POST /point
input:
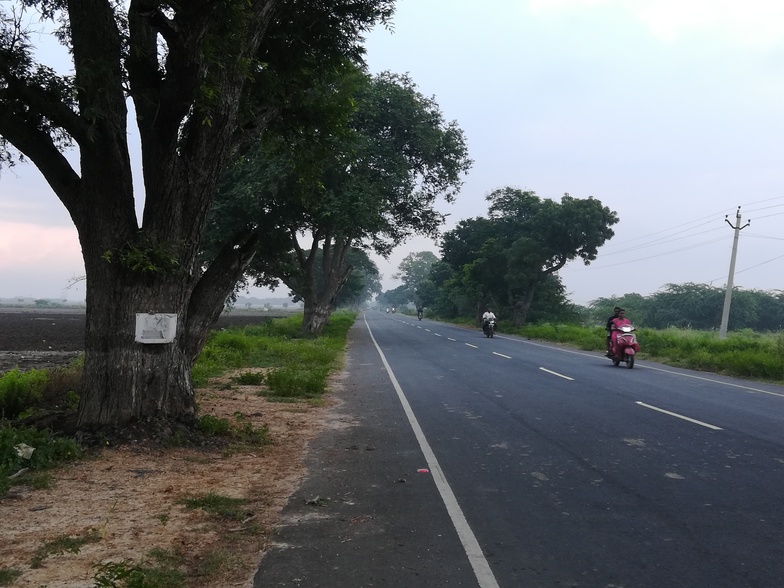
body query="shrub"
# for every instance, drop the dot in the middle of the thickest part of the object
(20, 390)
(49, 451)
(293, 382)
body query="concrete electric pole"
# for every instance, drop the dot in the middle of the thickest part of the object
(725, 315)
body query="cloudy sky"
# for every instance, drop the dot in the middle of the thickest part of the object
(670, 112)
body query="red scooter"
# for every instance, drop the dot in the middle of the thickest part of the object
(625, 346)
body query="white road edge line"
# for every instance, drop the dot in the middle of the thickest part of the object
(680, 416)
(481, 567)
(501, 355)
(557, 374)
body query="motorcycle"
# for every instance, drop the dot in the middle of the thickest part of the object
(488, 328)
(420, 314)
(625, 347)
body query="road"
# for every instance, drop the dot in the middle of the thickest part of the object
(504, 462)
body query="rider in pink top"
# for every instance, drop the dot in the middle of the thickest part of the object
(617, 323)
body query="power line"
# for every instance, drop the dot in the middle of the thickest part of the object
(593, 266)
(751, 267)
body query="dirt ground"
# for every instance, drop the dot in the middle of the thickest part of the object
(128, 498)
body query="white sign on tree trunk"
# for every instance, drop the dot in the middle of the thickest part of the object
(155, 328)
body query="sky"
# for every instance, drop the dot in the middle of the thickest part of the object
(670, 112)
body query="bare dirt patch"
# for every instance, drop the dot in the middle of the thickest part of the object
(130, 496)
(128, 499)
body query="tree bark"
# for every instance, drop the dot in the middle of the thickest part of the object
(155, 267)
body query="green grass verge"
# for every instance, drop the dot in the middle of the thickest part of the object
(743, 354)
(300, 365)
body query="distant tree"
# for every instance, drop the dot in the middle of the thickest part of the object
(371, 186)
(475, 252)
(396, 297)
(414, 271)
(363, 283)
(543, 236)
(689, 305)
(503, 260)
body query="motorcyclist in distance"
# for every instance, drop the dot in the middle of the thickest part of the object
(487, 316)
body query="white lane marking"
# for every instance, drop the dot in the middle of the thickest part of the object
(437, 334)
(481, 567)
(428, 330)
(450, 338)
(680, 416)
(648, 367)
(501, 355)
(557, 374)
(474, 346)
(712, 381)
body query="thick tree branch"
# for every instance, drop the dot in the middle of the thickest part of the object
(215, 285)
(38, 146)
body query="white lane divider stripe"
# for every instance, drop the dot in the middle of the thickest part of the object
(501, 355)
(557, 374)
(474, 346)
(680, 416)
(479, 563)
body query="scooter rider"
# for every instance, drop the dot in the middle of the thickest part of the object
(617, 323)
(609, 328)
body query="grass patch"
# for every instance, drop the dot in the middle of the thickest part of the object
(20, 390)
(300, 364)
(241, 432)
(8, 575)
(249, 379)
(160, 572)
(217, 562)
(224, 507)
(64, 544)
(48, 451)
(742, 354)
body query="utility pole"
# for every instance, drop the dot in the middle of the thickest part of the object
(725, 315)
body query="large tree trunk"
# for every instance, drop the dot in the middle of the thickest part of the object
(127, 381)
(316, 316)
(521, 305)
(154, 268)
(319, 296)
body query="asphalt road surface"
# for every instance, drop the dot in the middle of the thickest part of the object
(467, 461)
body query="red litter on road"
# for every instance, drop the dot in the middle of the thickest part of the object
(423, 471)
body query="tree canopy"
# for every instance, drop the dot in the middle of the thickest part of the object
(504, 259)
(206, 79)
(371, 185)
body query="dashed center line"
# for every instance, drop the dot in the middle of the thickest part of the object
(501, 355)
(474, 346)
(680, 416)
(557, 374)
